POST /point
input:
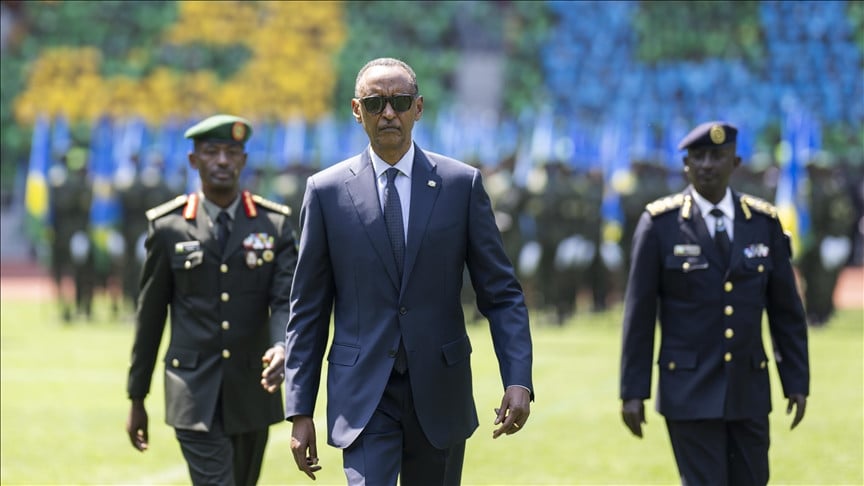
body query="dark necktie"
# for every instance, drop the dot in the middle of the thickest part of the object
(222, 230)
(721, 237)
(393, 220)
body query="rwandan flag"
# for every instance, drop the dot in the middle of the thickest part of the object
(36, 189)
(799, 138)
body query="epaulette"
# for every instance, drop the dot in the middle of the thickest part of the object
(166, 207)
(271, 205)
(665, 204)
(759, 205)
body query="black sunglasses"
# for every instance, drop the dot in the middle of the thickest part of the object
(376, 104)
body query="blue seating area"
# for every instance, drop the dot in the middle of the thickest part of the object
(808, 57)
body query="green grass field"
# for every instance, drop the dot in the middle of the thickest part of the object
(64, 409)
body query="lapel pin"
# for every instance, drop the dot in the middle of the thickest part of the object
(431, 183)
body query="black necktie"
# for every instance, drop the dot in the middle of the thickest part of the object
(222, 230)
(721, 237)
(393, 220)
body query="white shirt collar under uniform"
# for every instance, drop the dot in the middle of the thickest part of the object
(724, 205)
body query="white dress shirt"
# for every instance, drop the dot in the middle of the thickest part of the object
(724, 205)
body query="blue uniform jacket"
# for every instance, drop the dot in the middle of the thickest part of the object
(712, 361)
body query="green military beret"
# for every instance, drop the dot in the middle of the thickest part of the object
(221, 128)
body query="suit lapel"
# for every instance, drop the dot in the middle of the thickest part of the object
(361, 187)
(199, 229)
(241, 227)
(742, 232)
(699, 228)
(425, 187)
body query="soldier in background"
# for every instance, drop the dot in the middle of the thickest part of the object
(828, 246)
(646, 182)
(146, 188)
(70, 196)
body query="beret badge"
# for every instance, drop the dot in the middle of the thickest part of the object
(717, 134)
(238, 131)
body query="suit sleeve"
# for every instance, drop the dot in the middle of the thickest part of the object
(155, 296)
(786, 318)
(280, 290)
(311, 303)
(499, 295)
(640, 312)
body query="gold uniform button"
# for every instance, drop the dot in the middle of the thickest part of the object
(671, 366)
(761, 268)
(223, 268)
(728, 310)
(226, 325)
(727, 286)
(225, 297)
(762, 364)
(175, 363)
(729, 333)
(187, 265)
(727, 357)
(226, 354)
(685, 265)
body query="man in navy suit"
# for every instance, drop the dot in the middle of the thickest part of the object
(710, 260)
(385, 236)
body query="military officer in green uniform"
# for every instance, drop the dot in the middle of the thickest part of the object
(708, 262)
(828, 246)
(222, 260)
(70, 198)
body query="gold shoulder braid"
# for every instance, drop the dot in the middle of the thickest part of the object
(759, 205)
(665, 204)
(271, 205)
(165, 208)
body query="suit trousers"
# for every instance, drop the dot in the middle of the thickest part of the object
(215, 458)
(393, 445)
(721, 452)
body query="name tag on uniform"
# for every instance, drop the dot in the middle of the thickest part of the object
(187, 246)
(687, 250)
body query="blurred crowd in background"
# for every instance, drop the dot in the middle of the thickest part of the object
(573, 111)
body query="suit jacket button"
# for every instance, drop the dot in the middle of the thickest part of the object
(727, 357)
(403, 311)
(175, 363)
(226, 354)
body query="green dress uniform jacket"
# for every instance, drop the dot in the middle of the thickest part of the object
(226, 311)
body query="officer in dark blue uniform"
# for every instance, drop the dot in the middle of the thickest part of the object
(709, 261)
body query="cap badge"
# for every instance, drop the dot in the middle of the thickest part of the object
(717, 134)
(238, 131)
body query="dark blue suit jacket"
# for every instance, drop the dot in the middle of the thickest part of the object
(346, 265)
(712, 360)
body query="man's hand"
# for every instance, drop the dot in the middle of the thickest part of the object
(633, 413)
(799, 403)
(303, 445)
(514, 411)
(274, 368)
(136, 425)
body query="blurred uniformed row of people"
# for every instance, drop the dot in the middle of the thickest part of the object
(81, 268)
